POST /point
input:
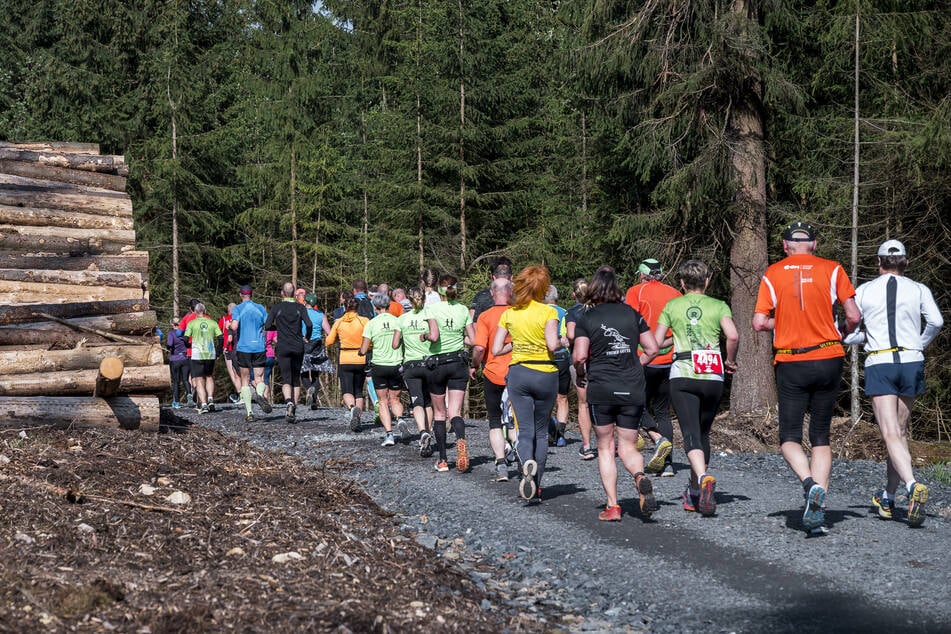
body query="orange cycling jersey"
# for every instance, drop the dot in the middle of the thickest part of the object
(496, 367)
(649, 298)
(349, 329)
(800, 292)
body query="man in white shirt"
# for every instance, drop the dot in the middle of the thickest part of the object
(893, 307)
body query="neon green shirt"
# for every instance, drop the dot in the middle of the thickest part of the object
(694, 319)
(451, 319)
(412, 325)
(203, 331)
(379, 331)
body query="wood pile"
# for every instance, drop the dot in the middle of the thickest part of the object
(76, 344)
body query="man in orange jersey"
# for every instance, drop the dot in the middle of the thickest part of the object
(649, 298)
(495, 370)
(796, 300)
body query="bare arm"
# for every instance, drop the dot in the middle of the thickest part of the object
(661, 340)
(397, 339)
(552, 340)
(853, 316)
(364, 347)
(648, 347)
(762, 323)
(580, 359)
(470, 334)
(732, 343)
(498, 342)
(433, 334)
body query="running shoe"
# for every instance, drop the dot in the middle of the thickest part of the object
(291, 414)
(425, 444)
(176, 405)
(309, 399)
(235, 398)
(355, 415)
(661, 453)
(689, 501)
(813, 515)
(707, 503)
(561, 441)
(641, 443)
(403, 428)
(527, 487)
(610, 514)
(249, 418)
(668, 471)
(509, 455)
(885, 507)
(261, 401)
(462, 456)
(916, 504)
(190, 402)
(818, 531)
(587, 452)
(501, 471)
(442, 466)
(211, 406)
(645, 491)
(388, 440)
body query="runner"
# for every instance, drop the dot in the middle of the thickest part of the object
(427, 282)
(247, 320)
(385, 363)
(556, 427)
(288, 318)
(178, 362)
(351, 367)
(227, 351)
(365, 306)
(694, 324)
(205, 337)
(649, 297)
(892, 309)
(399, 296)
(532, 378)
(494, 369)
(586, 452)
(314, 353)
(796, 300)
(342, 308)
(395, 308)
(501, 269)
(412, 326)
(448, 365)
(182, 325)
(607, 363)
(270, 343)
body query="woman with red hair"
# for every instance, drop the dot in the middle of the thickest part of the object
(533, 376)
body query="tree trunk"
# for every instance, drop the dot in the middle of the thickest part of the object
(63, 241)
(293, 202)
(51, 333)
(153, 379)
(36, 292)
(25, 314)
(42, 217)
(80, 278)
(67, 147)
(30, 192)
(462, 146)
(81, 358)
(127, 262)
(126, 412)
(108, 377)
(175, 246)
(753, 391)
(72, 160)
(63, 175)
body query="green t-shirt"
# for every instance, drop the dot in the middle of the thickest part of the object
(451, 319)
(412, 325)
(694, 319)
(379, 331)
(203, 331)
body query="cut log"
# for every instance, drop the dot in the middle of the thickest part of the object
(87, 162)
(108, 378)
(72, 278)
(65, 338)
(153, 379)
(126, 412)
(41, 217)
(37, 292)
(128, 262)
(139, 323)
(25, 314)
(64, 175)
(95, 331)
(106, 203)
(71, 241)
(81, 358)
(55, 146)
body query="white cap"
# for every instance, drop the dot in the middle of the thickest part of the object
(892, 247)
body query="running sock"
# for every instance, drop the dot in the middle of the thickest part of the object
(458, 427)
(246, 397)
(439, 430)
(886, 496)
(259, 388)
(807, 484)
(910, 486)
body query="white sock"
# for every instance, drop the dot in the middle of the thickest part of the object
(885, 496)
(910, 486)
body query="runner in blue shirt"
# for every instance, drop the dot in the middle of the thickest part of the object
(247, 320)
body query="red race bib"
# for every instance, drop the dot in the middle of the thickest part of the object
(707, 361)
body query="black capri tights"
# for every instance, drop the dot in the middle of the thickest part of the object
(696, 402)
(493, 403)
(352, 378)
(289, 363)
(811, 386)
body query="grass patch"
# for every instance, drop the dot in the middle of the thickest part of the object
(938, 472)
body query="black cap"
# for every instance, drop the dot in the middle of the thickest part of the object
(799, 228)
(245, 289)
(193, 302)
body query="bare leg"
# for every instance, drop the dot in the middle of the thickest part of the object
(607, 466)
(892, 413)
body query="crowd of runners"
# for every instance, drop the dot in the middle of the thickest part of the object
(630, 357)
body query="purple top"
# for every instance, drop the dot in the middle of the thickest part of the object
(176, 345)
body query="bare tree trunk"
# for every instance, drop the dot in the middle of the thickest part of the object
(366, 207)
(462, 147)
(419, 134)
(856, 404)
(753, 391)
(175, 274)
(293, 202)
(584, 165)
(313, 283)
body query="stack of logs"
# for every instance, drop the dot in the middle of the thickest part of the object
(76, 344)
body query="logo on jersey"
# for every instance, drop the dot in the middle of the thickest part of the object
(620, 344)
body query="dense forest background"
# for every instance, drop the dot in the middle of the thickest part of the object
(325, 141)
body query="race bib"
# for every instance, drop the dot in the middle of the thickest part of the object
(707, 361)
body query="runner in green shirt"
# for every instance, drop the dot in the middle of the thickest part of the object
(204, 334)
(413, 327)
(384, 364)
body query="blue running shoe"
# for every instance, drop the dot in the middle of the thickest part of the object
(813, 515)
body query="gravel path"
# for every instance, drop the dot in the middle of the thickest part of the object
(750, 568)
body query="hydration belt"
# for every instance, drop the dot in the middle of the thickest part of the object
(824, 344)
(682, 356)
(895, 349)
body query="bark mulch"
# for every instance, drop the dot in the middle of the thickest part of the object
(95, 537)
